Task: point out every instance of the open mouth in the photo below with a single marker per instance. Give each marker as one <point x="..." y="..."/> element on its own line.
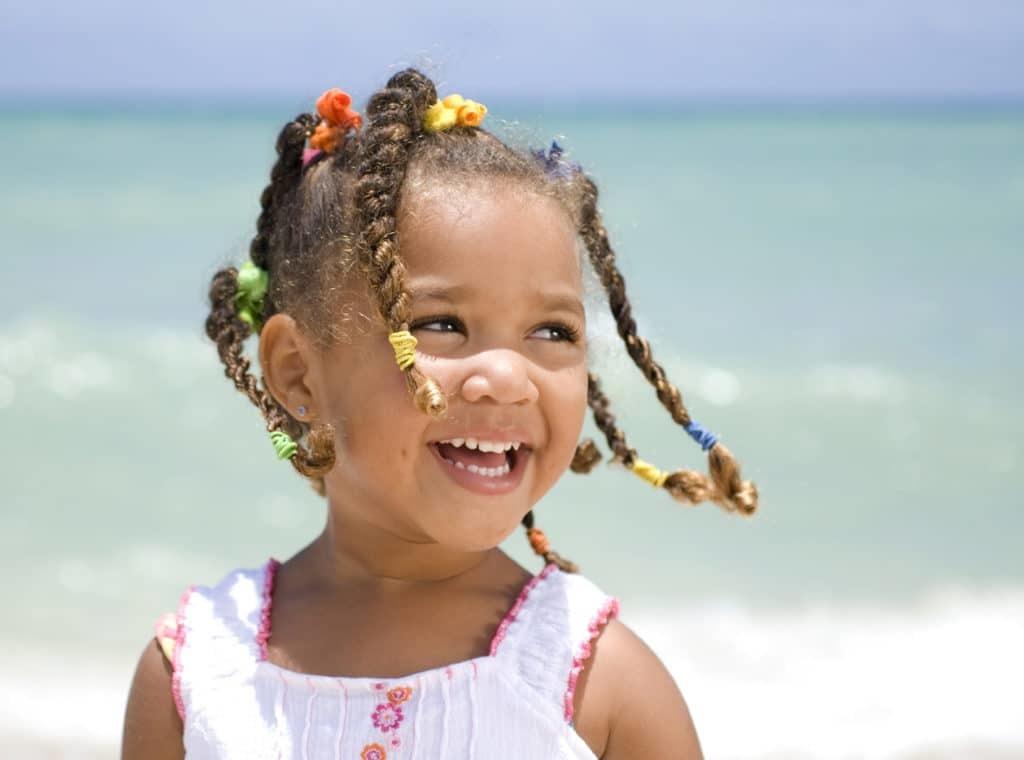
<point x="483" y="465"/>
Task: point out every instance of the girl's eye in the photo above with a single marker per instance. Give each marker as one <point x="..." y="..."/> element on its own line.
<point x="439" y="324"/>
<point x="559" y="333"/>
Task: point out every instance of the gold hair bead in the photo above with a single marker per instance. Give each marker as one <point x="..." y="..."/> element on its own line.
<point x="404" y="344"/>
<point x="649" y="472"/>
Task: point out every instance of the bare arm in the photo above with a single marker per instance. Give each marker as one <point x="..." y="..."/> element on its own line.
<point x="152" y="728"/>
<point x="628" y="704"/>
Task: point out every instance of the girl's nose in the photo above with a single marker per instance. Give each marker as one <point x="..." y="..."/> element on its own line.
<point x="500" y="375"/>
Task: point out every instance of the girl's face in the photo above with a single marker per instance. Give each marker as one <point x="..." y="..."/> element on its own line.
<point x="496" y="297"/>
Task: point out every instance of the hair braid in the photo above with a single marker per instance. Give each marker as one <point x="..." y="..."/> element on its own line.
<point x="587" y="456"/>
<point x="394" y="124"/>
<point x="541" y="548"/>
<point x="725" y="488"/>
<point x="600" y="406"/>
<point x="284" y="175"/>
<point x="229" y="332"/>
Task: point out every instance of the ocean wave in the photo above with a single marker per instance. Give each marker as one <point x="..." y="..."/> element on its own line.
<point x="52" y="358"/>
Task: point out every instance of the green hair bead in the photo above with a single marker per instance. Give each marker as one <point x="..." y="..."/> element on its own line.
<point x="252" y="287"/>
<point x="283" y="444"/>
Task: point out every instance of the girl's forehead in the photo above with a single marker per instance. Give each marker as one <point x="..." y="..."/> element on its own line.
<point x="500" y="235"/>
<point x="481" y="214"/>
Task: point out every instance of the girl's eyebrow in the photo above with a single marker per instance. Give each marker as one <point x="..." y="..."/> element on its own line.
<point x="436" y="292"/>
<point x="551" y="300"/>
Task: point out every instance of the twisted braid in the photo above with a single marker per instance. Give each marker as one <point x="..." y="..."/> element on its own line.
<point x="725" y="488"/>
<point x="284" y="175"/>
<point x="585" y="458"/>
<point x="394" y="125"/>
<point x="540" y="545"/>
<point x="600" y="406"/>
<point x="227" y="330"/>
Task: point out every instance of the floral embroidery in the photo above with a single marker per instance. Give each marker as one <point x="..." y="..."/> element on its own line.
<point x="399" y="694"/>
<point x="387" y="717"/>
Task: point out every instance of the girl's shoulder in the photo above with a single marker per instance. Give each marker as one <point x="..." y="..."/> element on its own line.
<point x="154" y="716"/>
<point x="559" y="615"/>
<point x="238" y="605"/>
<point x="567" y="635"/>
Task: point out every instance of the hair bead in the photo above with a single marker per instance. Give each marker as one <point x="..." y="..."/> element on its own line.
<point x="430" y="398"/>
<point x="404" y="344"/>
<point x="705" y="438"/>
<point x="649" y="472"/>
<point x="284" y="445"/>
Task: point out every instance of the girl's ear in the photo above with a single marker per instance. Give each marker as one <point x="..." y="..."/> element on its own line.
<point x="288" y="362"/>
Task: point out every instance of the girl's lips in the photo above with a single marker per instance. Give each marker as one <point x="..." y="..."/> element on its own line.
<point x="486" y="484"/>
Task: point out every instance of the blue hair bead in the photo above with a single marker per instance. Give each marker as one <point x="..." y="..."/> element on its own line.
<point x="554" y="164"/>
<point x="705" y="438"/>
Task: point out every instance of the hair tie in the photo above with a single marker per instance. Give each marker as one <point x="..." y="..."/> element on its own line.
<point x="404" y="343"/>
<point x="251" y="288"/>
<point x="705" y="438"/>
<point x="336" y="120"/>
<point x="453" y="110"/>
<point x="538" y="541"/>
<point x="553" y="163"/>
<point x="283" y="444"/>
<point x="649" y="472"/>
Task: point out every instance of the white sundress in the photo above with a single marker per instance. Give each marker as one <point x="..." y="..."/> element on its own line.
<point x="516" y="702"/>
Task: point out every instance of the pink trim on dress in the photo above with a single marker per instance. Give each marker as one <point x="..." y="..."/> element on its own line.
<point x="499" y="635"/>
<point x="179" y="644"/>
<point x="609" y="609"/>
<point x="263" y="635"/>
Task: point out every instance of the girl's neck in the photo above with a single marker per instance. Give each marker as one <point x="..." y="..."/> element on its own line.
<point x="353" y="550"/>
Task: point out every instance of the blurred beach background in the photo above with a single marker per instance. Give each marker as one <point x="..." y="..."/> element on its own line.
<point x="819" y="211"/>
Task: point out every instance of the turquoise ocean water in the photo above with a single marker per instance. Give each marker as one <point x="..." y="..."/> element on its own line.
<point x="838" y="292"/>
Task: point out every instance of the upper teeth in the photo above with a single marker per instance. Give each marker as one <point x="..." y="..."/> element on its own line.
<point x="493" y="446"/>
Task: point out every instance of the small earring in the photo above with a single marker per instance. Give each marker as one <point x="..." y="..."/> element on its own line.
<point x="302" y="411"/>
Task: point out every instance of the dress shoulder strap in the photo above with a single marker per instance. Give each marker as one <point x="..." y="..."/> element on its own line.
<point x="219" y="631"/>
<point x="546" y="638"/>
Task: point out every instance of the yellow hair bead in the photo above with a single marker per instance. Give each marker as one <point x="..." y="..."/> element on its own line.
<point x="404" y="344"/>
<point x="649" y="472"/>
<point x="453" y="110"/>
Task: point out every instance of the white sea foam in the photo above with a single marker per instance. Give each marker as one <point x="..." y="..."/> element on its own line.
<point x="25" y="345"/>
<point x="938" y="679"/>
<point x="719" y="387"/>
<point x="856" y="681"/>
<point x="73" y="375"/>
<point x="65" y="705"/>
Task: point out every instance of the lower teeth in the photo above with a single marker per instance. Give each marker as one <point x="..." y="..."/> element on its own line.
<point x="489" y="472"/>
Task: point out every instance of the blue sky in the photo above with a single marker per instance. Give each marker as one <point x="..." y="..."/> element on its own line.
<point x="769" y="49"/>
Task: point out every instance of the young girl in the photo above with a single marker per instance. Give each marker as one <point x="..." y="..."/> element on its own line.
<point x="416" y="286"/>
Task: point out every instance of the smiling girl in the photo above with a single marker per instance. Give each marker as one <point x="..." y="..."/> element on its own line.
<point x="416" y="286"/>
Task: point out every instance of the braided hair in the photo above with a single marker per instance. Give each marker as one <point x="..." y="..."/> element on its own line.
<point x="340" y="214"/>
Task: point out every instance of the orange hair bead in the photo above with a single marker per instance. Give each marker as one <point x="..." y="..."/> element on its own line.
<point x="538" y="541"/>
